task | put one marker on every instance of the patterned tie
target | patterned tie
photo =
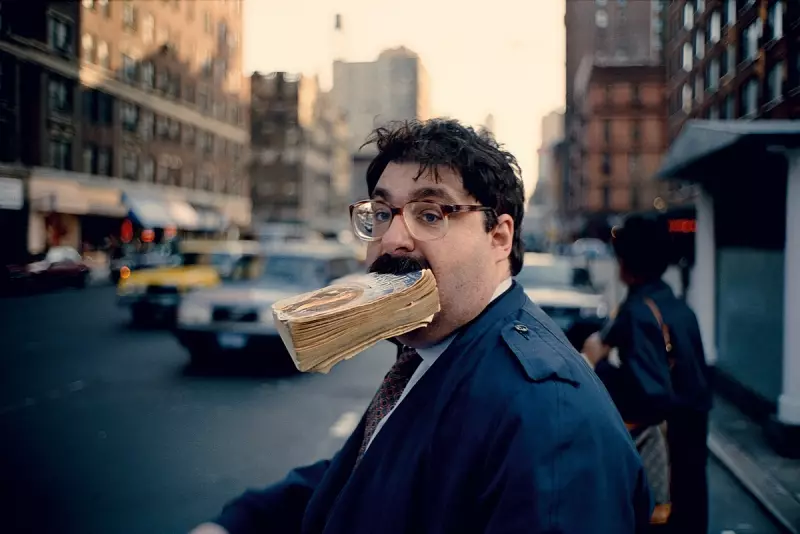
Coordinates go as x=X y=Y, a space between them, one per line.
x=389 y=393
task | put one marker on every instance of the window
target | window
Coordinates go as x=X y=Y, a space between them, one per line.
x=731 y=68
x=700 y=44
x=207 y=64
x=636 y=133
x=130 y=116
x=750 y=98
x=730 y=107
x=601 y=18
x=636 y=97
x=89 y=155
x=633 y=165
x=88 y=106
x=59 y=34
x=701 y=6
x=87 y=48
x=729 y=7
x=104 y=8
x=688 y=16
x=188 y=135
x=104 y=162
x=712 y=75
x=61 y=154
x=699 y=88
x=605 y=164
x=102 y=55
x=776 y=20
x=775 y=82
x=686 y=98
x=161 y=127
x=148 y=29
x=59 y=95
x=687 y=57
x=174 y=129
x=147 y=126
x=148 y=74
x=128 y=16
x=148 y=169
x=88 y=4
x=751 y=34
x=208 y=143
x=207 y=22
x=606 y=197
x=128 y=68
x=105 y=109
x=130 y=165
x=713 y=112
x=162 y=80
x=715 y=27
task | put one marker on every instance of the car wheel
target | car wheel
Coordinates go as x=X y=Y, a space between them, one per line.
x=82 y=280
x=139 y=317
x=200 y=358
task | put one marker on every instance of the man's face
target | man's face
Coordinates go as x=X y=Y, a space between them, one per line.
x=464 y=261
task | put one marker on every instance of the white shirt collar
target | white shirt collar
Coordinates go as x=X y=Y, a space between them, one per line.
x=430 y=354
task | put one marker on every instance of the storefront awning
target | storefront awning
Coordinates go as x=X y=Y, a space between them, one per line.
x=153 y=212
x=707 y=149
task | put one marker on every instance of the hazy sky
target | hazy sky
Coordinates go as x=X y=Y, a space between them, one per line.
x=504 y=57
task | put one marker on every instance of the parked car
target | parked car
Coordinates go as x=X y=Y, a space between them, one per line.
x=61 y=266
x=565 y=293
x=234 y=320
x=153 y=295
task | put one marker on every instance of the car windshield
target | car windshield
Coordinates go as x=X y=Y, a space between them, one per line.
x=558 y=274
x=294 y=270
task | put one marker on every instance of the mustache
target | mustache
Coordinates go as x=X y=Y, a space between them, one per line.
x=388 y=264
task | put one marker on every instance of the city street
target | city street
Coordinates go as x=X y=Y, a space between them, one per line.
x=102 y=430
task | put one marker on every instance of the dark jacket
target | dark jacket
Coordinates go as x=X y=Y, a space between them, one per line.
x=643 y=387
x=509 y=431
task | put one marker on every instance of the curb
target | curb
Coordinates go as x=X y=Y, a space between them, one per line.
x=769 y=492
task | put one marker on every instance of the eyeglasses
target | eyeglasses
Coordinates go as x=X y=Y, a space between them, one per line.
x=425 y=221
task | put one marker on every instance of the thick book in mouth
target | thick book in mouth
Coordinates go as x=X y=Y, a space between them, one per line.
x=326 y=326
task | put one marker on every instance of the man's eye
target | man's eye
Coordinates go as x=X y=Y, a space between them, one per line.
x=382 y=216
x=430 y=217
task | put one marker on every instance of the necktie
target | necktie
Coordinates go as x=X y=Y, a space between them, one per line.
x=389 y=393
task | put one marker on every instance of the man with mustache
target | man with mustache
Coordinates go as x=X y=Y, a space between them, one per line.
x=489 y=421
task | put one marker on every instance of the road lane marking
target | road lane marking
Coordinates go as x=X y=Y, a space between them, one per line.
x=345 y=425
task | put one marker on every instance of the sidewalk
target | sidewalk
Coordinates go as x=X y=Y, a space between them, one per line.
x=739 y=444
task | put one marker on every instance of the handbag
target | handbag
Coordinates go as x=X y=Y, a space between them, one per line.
x=651 y=441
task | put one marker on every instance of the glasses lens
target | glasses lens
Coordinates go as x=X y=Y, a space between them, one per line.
x=425 y=220
x=371 y=220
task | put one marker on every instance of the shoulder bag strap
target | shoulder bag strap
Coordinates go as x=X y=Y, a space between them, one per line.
x=664 y=328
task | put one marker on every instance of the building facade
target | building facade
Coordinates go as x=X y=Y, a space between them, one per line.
x=393 y=87
x=105 y=102
x=301 y=166
x=620 y=133
x=733 y=59
x=604 y=31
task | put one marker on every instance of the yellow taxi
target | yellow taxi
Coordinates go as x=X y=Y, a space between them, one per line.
x=153 y=295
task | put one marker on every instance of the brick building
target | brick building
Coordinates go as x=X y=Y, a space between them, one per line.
x=301 y=165
x=619 y=128
x=109 y=102
x=733 y=59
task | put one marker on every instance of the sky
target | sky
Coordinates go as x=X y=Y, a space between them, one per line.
x=507 y=60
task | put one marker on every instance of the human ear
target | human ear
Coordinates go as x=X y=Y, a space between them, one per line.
x=502 y=236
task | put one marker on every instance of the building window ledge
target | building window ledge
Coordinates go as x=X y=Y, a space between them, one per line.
x=772 y=104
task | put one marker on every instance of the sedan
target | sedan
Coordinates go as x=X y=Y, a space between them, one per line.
x=565 y=293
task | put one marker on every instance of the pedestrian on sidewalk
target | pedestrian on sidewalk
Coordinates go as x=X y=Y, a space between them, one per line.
x=489 y=422
x=662 y=375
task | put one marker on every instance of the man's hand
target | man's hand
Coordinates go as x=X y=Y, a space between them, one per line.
x=594 y=349
x=209 y=528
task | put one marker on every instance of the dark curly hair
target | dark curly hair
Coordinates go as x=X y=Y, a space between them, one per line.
x=643 y=244
x=489 y=173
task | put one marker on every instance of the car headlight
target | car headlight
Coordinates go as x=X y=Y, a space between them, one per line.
x=600 y=311
x=192 y=313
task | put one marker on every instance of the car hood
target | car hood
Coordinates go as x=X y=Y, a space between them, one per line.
x=558 y=297
x=242 y=296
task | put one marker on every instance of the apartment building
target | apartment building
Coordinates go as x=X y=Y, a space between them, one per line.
x=128 y=109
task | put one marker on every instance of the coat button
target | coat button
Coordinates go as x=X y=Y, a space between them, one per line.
x=521 y=328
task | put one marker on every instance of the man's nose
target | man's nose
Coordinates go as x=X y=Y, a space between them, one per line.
x=397 y=237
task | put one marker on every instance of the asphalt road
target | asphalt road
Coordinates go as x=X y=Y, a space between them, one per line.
x=102 y=429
